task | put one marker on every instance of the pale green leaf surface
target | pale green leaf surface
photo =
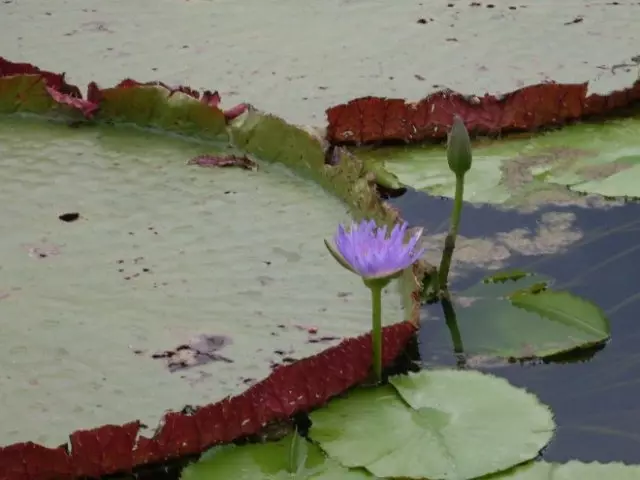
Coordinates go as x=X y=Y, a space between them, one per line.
x=268 y=461
x=601 y=159
x=496 y=321
x=567 y=309
x=572 y=470
x=623 y=183
x=163 y=252
x=454 y=425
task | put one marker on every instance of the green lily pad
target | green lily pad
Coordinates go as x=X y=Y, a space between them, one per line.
x=24 y=93
x=270 y=137
x=514 y=319
x=157 y=107
x=571 y=471
x=268 y=461
x=160 y=253
x=600 y=159
x=442 y=424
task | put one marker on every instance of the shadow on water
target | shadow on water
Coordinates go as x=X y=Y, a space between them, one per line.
x=596 y=402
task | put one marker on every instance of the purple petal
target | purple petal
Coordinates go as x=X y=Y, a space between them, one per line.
x=373 y=253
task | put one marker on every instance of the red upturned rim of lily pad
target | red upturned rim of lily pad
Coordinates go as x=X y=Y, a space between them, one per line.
x=67 y=94
x=375 y=120
x=301 y=386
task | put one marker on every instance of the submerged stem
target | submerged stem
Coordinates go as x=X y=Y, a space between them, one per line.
x=452 y=325
x=450 y=241
x=376 y=329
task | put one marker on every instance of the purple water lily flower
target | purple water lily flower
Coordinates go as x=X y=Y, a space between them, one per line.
x=369 y=251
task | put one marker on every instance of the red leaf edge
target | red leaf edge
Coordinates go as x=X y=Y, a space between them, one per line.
x=70 y=95
x=301 y=386
x=53 y=80
x=376 y=119
x=85 y=107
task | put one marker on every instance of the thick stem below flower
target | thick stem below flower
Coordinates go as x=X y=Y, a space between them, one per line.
x=376 y=329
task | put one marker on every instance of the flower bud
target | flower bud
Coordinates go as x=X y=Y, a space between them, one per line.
x=459 y=148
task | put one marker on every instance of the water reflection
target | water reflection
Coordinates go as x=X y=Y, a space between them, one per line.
x=594 y=253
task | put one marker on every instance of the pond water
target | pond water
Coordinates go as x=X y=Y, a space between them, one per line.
x=595 y=400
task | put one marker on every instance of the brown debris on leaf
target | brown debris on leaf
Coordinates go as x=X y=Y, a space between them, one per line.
x=198 y=351
x=224 y=161
x=374 y=119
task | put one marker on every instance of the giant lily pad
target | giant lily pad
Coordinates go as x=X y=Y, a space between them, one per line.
x=570 y=471
x=115 y=251
x=441 y=424
x=599 y=159
x=514 y=319
x=268 y=461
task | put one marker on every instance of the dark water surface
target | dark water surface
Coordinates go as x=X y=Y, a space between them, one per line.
x=596 y=402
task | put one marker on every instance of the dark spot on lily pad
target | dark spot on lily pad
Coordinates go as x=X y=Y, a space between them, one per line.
x=224 y=161
x=265 y=280
x=200 y=350
x=42 y=250
x=323 y=339
x=578 y=19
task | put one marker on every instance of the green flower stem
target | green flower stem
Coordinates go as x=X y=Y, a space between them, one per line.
x=376 y=329
x=450 y=241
